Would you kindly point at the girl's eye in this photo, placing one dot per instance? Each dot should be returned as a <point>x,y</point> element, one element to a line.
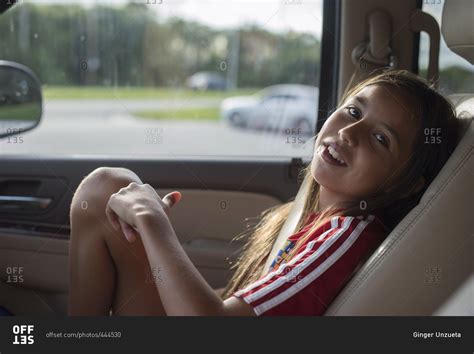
<point>380,138</point>
<point>354,112</point>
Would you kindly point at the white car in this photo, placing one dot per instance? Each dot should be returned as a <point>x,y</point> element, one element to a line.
<point>276,108</point>
<point>206,80</point>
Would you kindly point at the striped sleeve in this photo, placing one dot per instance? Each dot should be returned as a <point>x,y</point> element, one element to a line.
<point>311,279</point>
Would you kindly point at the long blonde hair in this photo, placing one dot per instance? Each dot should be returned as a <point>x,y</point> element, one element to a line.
<point>433,110</point>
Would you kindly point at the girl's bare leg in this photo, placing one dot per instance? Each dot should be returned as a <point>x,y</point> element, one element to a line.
<point>106,272</point>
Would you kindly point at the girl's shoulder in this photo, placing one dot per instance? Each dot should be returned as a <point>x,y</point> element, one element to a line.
<point>370,224</point>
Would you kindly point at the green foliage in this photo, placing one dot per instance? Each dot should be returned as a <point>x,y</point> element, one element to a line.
<point>454,79</point>
<point>132,46</point>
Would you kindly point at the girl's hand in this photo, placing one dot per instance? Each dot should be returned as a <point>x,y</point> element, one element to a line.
<point>129,203</point>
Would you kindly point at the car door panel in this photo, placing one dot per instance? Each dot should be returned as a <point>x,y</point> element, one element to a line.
<point>25,195</point>
<point>220,200</point>
<point>205,231</point>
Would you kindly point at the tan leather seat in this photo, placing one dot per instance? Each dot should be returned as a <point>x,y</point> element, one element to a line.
<point>427,258</point>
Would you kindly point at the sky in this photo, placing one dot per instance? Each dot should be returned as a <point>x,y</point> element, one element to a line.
<point>273,15</point>
<point>276,16</point>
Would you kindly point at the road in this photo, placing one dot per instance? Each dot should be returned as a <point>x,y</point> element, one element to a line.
<point>107,127</point>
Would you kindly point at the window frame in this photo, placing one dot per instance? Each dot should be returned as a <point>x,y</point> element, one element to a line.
<point>330,55</point>
<point>416,44</point>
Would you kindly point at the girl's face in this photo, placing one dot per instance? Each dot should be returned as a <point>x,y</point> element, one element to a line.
<point>373,134</point>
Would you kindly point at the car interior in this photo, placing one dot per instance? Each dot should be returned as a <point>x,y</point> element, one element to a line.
<point>221,197</point>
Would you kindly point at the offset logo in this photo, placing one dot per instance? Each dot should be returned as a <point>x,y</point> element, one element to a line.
<point>15,275</point>
<point>23,334</point>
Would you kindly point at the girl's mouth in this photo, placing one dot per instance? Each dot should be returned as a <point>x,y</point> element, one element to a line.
<point>323,151</point>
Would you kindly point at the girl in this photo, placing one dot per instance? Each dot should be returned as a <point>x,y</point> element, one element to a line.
<point>373,159</point>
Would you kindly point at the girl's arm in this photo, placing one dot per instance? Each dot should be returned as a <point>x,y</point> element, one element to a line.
<point>182,289</point>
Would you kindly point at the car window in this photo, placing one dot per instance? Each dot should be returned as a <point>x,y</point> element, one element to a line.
<point>166,78</point>
<point>455,74</point>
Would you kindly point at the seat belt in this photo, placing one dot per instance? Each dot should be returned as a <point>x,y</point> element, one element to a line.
<point>289,226</point>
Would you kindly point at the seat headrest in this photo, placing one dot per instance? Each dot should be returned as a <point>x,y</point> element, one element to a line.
<point>457,27</point>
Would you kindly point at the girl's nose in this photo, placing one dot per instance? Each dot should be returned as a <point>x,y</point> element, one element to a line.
<point>349,134</point>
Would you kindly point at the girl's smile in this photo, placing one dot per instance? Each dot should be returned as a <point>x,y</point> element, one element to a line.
<point>332,154</point>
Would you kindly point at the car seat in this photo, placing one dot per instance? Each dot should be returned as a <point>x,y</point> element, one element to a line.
<point>426,261</point>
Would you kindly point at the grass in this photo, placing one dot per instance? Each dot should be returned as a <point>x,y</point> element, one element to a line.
<point>24,111</point>
<point>134,93</point>
<point>211,113</point>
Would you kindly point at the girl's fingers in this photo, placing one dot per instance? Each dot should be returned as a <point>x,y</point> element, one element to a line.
<point>177,196</point>
<point>172,198</point>
<point>128,231</point>
<point>112,217</point>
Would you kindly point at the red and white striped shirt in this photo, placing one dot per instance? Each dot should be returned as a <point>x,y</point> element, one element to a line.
<point>313,277</point>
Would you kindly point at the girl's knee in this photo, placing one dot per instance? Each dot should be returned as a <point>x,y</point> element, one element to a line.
<point>93,193</point>
<point>111,177</point>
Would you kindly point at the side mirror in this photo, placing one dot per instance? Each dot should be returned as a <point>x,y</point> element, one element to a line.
<point>20,99</point>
